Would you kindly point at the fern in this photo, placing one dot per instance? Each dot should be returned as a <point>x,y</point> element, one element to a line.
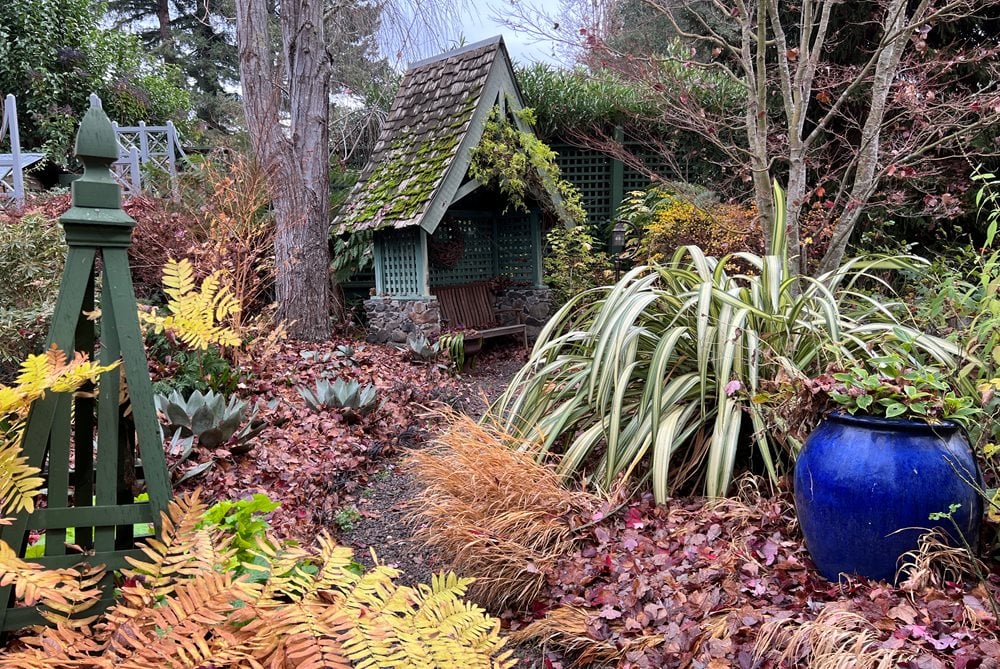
<point>59,589</point>
<point>196,314</point>
<point>50,371</point>
<point>308,610</point>
<point>182,551</point>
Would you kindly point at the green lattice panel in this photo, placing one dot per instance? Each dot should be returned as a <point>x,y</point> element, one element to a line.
<point>516,253</point>
<point>478,261</point>
<point>590,172</point>
<point>399,249</point>
<point>635,180</point>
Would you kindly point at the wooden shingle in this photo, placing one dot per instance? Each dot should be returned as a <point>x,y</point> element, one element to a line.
<point>435,122</point>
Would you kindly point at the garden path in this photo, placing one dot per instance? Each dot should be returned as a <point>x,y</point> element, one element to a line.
<point>385,525</point>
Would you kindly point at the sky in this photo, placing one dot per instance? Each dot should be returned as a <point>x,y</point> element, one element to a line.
<point>479,23</point>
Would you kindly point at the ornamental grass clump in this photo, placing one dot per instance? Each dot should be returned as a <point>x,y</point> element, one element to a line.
<point>501,517</point>
<point>671,374</point>
<point>836,638</point>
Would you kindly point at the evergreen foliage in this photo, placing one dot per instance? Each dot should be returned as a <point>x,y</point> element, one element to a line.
<point>55,53</point>
<point>199,40</point>
<point>520,164</point>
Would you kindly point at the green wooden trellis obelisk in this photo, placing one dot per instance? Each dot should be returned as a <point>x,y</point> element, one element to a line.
<point>101,437</point>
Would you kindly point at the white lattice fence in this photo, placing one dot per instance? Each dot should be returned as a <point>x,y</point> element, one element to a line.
<point>143,151</point>
<point>13,164</point>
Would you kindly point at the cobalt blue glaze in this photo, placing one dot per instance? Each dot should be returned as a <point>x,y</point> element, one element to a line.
<point>862,483</point>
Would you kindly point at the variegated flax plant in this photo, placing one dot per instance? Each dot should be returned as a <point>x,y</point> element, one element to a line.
<point>674,371</point>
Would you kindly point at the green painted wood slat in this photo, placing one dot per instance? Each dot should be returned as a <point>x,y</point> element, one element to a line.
<point>95,224</point>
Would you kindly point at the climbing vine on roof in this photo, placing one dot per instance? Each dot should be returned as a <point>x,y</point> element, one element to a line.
<point>520,164</point>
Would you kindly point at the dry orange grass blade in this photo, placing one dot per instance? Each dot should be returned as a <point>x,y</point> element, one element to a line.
<point>836,639</point>
<point>566,627</point>
<point>496,513</point>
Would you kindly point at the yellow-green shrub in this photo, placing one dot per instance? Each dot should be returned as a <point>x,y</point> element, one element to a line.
<point>666,221</point>
<point>32,252</point>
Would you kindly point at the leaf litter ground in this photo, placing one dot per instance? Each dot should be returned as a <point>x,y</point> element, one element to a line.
<point>688,584</point>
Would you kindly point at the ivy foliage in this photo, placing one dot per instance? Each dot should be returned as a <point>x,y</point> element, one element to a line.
<point>520,164</point>
<point>579,99</point>
<point>54,53</point>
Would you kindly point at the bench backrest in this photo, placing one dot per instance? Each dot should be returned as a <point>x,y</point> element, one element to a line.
<point>469,305</point>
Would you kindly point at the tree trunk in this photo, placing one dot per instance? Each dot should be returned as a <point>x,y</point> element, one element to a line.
<point>754,55</point>
<point>166,37</point>
<point>299,160</point>
<point>868,153</point>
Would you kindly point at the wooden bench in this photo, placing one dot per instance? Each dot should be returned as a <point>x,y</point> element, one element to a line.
<point>471,307</point>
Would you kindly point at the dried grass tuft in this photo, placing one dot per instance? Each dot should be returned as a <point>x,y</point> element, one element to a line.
<point>935,561</point>
<point>566,627</point>
<point>836,639</point>
<point>496,513</point>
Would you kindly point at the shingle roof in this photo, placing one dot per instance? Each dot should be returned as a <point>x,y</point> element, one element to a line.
<point>431,114</point>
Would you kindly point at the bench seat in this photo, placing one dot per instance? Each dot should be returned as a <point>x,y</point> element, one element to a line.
<point>471,307</point>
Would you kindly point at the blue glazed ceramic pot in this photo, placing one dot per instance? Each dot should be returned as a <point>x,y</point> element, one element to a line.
<point>863,483</point>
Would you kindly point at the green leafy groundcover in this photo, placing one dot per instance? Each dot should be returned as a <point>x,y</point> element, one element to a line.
<point>696,584</point>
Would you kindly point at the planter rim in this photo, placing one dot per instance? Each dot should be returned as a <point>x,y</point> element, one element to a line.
<point>893,424</point>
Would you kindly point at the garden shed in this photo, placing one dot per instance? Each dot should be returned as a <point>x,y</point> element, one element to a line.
<point>442,239</point>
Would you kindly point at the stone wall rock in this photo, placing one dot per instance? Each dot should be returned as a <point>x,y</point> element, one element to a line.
<point>535,306</point>
<point>393,320</point>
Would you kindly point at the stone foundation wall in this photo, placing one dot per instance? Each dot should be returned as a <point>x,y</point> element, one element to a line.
<point>393,320</point>
<point>535,304</point>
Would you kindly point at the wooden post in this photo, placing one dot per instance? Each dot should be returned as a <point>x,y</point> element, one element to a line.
<point>96,497</point>
<point>617,176</point>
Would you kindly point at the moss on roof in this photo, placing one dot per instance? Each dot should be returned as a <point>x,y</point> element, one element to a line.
<point>428,119</point>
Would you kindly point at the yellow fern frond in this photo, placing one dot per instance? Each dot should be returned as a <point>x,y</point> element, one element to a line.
<point>178,279</point>
<point>33,378</point>
<point>19,483</point>
<point>196,314</point>
<point>51,370</point>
